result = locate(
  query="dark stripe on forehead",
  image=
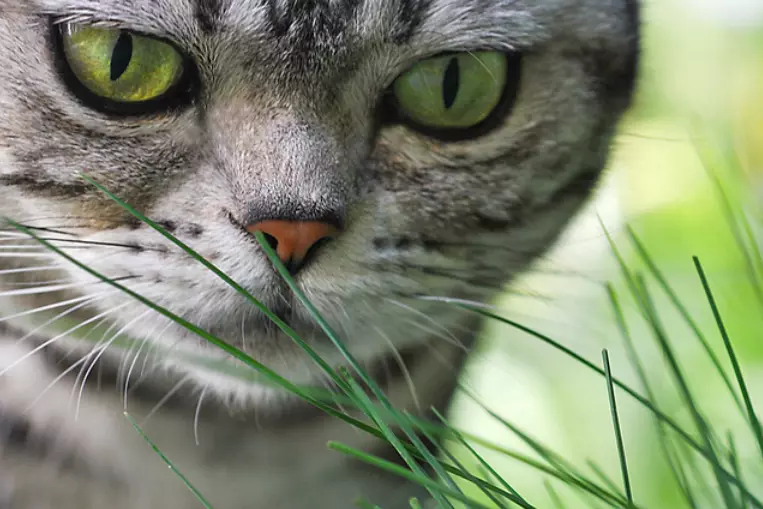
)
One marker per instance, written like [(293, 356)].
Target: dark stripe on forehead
[(311, 20), (408, 18), (207, 14)]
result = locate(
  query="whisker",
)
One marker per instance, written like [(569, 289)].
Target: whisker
[(403, 368), (36, 284), (32, 247), (60, 377), (166, 398), (99, 243), (197, 414), (106, 345), (27, 270), (121, 331), (126, 377), (452, 300), (54, 306), (135, 360), (52, 229), (28, 254), (56, 288), (55, 338), (447, 334)]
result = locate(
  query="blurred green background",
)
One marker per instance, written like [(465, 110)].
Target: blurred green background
[(698, 117)]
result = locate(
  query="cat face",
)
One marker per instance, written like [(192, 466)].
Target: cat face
[(437, 145)]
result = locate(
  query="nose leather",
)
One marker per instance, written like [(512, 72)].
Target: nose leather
[(294, 239)]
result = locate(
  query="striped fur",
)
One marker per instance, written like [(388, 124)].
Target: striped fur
[(283, 118)]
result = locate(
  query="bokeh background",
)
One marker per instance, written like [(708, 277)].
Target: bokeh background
[(697, 124)]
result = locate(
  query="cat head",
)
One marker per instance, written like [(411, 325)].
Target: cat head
[(396, 152)]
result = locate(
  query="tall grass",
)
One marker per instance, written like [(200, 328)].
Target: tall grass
[(703, 459)]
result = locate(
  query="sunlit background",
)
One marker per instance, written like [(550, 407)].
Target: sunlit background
[(698, 122)]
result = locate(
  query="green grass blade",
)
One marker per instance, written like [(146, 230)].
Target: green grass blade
[(659, 414), (734, 460), (667, 451), (401, 420), (593, 367), (454, 461), (708, 447), (367, 407), (738, 226), (569, 474), (616, 425), (752, 417), (169, 463), (395, 469), (554, 496), (236, 353), (673, 297), (704, 429), (484, 464), (283, 326), (605, 479)]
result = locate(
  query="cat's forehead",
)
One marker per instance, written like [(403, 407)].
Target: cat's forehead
[(417, 22)]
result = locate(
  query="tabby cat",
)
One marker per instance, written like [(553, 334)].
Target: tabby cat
[(397, 154)]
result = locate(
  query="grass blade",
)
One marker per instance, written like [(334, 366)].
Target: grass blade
[(616, 425), (671, 456), (554, 496), (393, 468), (283, 326), (169, 463), (488, 468), (567, 471), (752, 417), (401, 421), (734, 460), (704, 429), (673, 297)]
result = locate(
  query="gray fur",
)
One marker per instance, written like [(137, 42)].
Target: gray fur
[(284, 125)]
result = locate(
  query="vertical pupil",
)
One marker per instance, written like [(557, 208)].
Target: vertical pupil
[(121, 56), (450, 83)]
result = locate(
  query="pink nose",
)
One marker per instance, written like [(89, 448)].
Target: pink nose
[(294, 241)]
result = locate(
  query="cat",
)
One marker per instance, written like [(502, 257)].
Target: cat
[(398, 156)]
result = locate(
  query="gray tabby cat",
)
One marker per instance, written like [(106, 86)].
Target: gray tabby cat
[(396, 153)]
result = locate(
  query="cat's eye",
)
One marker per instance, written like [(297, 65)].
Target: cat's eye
[(121, 67), (454, 92)]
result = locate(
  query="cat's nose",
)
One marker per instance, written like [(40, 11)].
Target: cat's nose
[(295, 242)]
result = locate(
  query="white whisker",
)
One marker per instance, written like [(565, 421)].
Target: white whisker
[(403, 368), (166, 398), (59, 336), (35, 247), (128, 376), (48, 289), (13, 234), (135, 360), (27, 270), (103, 349), (58, 379), (450, 300), (42, 254), (444, 333), (196, 415), (124, 361), (55, 305), (36, 284)]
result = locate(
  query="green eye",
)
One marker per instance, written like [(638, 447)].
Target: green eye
[(121, 66), (454, 91)]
